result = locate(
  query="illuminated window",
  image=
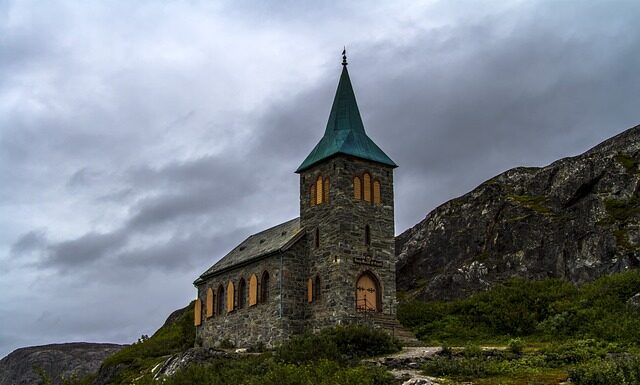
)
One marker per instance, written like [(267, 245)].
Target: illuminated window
[(209, 302), (312, 195), (319, 190), (367, 187), (310, 290), (197, 313), (357, 188), (253, 290), (376, 192), (231, 293)]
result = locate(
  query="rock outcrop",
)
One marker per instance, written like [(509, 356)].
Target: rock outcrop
[(32, 365), (576, 219)]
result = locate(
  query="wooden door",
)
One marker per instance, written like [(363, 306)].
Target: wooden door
[(366, 293)]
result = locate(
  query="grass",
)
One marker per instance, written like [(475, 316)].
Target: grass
[(137, 359), (548, 331)]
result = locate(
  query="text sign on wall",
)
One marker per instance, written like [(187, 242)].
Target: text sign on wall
[(368, 260)]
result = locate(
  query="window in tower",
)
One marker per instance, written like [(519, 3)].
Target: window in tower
[(367, 186), (319, 190), (367, 235), (376, 192), (312, 195), (317, 238), (310, 290), (357, 188)]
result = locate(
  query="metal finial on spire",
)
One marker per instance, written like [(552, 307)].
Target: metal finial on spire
[(344, 57)]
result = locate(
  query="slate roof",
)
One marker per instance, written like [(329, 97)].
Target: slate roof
[(275, 239), (345, 131)]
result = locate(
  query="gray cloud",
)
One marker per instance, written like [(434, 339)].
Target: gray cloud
[(148, 140)]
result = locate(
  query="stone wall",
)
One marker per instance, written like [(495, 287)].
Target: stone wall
[(342, 255), (270, 322)]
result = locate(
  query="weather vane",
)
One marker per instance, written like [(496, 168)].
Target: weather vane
[(344, 56)]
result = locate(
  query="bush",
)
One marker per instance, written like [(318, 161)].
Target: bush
[(340, 343), (549, 309), (264, 370), (516, 345), (622, 370)]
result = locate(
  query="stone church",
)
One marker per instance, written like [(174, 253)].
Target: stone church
[(333, 265)]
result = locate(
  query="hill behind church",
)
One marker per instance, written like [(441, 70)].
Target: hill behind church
[(575, 219)]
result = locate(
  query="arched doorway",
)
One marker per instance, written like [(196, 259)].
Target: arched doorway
[(368, 293)]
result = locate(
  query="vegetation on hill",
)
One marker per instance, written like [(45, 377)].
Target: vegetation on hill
[(539, 332), (553, 330)]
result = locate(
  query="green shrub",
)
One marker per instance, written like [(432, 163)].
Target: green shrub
[(264, 370), (549, 309), (339, 343), (621, 370), (516, 345)]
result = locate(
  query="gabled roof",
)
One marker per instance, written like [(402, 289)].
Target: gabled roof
[(275, 239), (345, 132)]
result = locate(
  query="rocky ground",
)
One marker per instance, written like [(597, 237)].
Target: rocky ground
[(28, 366), (576, 219)]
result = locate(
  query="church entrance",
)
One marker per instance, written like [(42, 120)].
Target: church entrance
[(367, 293)]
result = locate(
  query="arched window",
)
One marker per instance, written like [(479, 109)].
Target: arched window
[(357, 188), (264, 292), (231, 296), (367, 235), (253, 290), (317, 289), (367, 187), (376, 192), (312, 195), (368, 293), (319, 190), (197, 313), (209, 302), (220, 301), (310, 290), (316, 239), (326, 190), (242, 288)]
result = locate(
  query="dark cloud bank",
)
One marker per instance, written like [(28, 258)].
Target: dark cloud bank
[(453, 104)]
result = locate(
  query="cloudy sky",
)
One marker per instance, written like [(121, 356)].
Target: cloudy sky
[(140, 141)]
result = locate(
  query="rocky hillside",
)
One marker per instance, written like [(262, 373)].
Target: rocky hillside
[(33, 364), (576, 219)]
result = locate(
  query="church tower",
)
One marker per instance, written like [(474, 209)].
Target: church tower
[(347, 211)]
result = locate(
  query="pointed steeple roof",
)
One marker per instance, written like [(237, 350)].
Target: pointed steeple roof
[(345, 132)]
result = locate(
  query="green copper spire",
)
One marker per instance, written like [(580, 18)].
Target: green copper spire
[(345, 132)]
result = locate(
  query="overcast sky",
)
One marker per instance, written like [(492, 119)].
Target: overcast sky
[(141, 140)]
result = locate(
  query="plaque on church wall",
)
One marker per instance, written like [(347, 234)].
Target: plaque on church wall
[(368, 260)]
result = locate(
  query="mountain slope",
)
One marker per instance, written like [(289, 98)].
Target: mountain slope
[(577, 219), (55, 362)]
